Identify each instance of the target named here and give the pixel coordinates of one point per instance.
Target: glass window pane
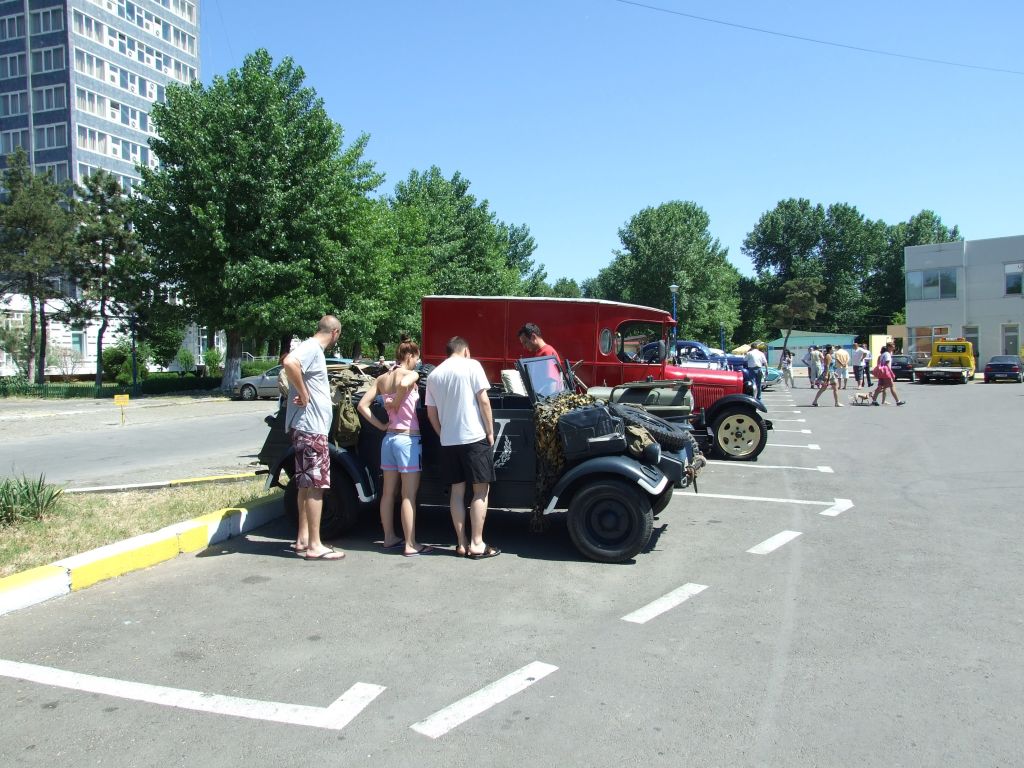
(947, 283)
(1014, 278)
(915, 281)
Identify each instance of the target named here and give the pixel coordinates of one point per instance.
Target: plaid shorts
(312, 460)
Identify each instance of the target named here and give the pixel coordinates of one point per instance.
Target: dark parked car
(903, 367)
(1008, 367)
(610, 495)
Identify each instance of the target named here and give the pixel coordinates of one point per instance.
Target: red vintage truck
(602, 339)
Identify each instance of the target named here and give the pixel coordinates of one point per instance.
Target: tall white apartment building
(78, 80)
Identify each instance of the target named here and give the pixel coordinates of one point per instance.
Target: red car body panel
(572, 326)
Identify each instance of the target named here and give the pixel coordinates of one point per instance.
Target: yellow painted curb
(113, 560)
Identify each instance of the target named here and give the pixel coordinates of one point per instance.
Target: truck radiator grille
(705, 394)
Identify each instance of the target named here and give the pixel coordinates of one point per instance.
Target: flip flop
(325, 556)
(397, 544)
(489, 552)
(426, 549)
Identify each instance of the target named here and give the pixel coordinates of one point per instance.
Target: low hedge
(156, 384)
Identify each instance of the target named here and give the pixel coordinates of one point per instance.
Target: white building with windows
(971, 288)
(78, 80)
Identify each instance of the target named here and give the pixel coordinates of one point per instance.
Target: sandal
(488, 552)
(325, 556)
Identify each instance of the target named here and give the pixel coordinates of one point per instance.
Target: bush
(165, 383)
(254, 367)
(26, 499)
(213, 360)
(186, 361)
(117, 362)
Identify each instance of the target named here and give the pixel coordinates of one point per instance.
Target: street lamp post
(675, 329)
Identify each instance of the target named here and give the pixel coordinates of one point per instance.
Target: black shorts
(470, 463)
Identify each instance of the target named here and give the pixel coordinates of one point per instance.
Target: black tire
(740, 435)
(248, 392)
(671, 436)
(610, 521)
(340, 513)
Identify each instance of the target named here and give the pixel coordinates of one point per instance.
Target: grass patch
(81, 522)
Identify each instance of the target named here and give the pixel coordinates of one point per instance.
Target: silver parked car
(265, 384)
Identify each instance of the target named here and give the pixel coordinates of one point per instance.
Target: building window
(12, 66)
(931, 284)
(78, 342)
(94, 141)
(85, 171)
(13, 103)
(46, 99)
(52, 136)
(11, 140)
(12, 27)
(48, 59)
(1014, 278)
(50, 20)
(59, 171)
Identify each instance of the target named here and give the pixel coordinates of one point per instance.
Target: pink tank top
(404, 419)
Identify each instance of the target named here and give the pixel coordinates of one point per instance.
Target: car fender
(347, 461)
(746, 401)
(651, 479)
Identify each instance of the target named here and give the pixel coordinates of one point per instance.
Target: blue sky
(572, 115)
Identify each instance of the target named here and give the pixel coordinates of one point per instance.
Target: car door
(267, 383)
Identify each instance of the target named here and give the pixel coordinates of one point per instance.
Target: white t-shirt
(858, 356)
(316, 417)
(756, 359)
(452, 388)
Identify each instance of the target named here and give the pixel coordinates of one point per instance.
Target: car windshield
(901, 359)
(544, 376)
(1005, 359)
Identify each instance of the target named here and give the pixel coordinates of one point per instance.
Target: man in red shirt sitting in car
(530, 338)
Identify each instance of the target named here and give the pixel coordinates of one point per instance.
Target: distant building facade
(971, 289)
(78, 80)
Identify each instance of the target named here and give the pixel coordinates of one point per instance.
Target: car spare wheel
(340, 512)
(739, 435)
(610, 521)
(671, 436)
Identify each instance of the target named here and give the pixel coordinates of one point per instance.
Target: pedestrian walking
(756, 364)
(859, 354)
(460, 412)
(829, 380)
(842, 364)
(867, 366)
(307, 422)
(886, 377)
(786, 366)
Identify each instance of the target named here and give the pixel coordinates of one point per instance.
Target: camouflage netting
(344, 386)
(550, 454)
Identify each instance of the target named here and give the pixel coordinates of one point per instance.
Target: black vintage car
(611, 496)
(1004, 368)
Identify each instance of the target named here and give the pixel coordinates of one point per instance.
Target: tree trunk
(99, 343)
(30, 353)
(285, 343)
(380, 348)
(357, 350)
(232, 361)
(41, 361)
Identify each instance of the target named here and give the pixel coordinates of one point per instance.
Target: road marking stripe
(834, 507)
(664, 603)
(753, 465)
(335, 717)
(796, 431)
(801, 421)
(811, 446)
(776, 541)
(444, 720)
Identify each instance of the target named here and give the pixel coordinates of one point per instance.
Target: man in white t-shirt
(859, 354)
(460, 412)
(307, 423)
(757, 364)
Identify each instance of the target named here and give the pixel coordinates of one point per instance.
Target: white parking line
(776, 541)
(810, 446)
(834, 507)
(335, 717)
(664, 603)
(797, 431)
(442, 721)
(801, 421)
(752, 465)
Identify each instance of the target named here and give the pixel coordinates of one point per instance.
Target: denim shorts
(400, 453)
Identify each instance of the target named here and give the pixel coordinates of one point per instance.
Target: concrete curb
(167, 483)
(80, 571)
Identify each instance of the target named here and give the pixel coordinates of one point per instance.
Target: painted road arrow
(834, 507)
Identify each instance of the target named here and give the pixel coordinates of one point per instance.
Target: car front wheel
(248, 392)
(610, 521)
(739, 435)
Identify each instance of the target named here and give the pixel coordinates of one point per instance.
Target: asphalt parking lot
(852, 598)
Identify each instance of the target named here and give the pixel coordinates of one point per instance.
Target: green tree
(107, 257)
(671, 244)
(36, 233)
(799, 305)
(566, 288)
(251, 214)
